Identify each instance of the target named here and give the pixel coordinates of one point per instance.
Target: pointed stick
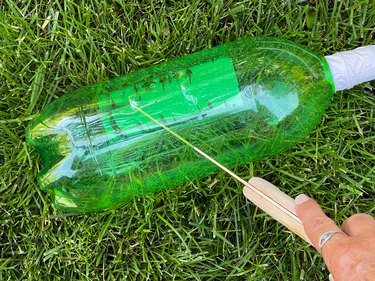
(270, 202)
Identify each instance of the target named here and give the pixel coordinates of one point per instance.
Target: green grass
(204, 230)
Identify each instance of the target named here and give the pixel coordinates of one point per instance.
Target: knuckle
(362, 216)
(316, 223)
(343, 257)
(357, 217)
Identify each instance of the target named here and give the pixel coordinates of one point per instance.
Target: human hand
(350, 253)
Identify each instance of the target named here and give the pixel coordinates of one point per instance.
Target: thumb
(315, 222)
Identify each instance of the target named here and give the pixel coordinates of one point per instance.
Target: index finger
(315, 222)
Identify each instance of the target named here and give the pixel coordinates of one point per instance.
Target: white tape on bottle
(353, 67)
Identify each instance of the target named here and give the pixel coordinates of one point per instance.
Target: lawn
(203, 230)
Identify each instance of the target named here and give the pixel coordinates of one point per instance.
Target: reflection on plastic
(239, 102)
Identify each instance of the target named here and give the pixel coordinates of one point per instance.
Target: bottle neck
(351, 68)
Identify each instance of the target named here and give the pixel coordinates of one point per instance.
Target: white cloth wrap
(353, 67)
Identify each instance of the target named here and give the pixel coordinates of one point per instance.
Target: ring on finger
(325, 237)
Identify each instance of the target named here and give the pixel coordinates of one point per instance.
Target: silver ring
(325, 237)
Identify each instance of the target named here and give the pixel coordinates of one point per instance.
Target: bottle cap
(353, 67)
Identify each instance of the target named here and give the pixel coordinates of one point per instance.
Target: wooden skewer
(262, 193)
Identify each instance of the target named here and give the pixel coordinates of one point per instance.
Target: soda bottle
(239, 102)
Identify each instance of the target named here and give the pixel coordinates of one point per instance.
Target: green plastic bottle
(239, 102)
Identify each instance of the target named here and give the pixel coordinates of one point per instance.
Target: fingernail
(301, 199)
